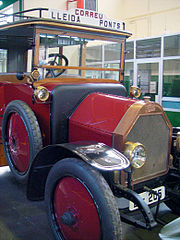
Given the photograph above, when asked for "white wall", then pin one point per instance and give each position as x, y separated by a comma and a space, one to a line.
145, 18
58, 4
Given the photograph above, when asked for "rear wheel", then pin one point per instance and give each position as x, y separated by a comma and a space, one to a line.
21, 138
80, 203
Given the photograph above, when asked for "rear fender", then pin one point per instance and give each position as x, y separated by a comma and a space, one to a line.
98, 155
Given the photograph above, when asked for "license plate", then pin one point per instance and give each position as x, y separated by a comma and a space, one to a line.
149, 198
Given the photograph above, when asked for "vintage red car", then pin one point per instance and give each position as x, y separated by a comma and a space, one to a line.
95, 155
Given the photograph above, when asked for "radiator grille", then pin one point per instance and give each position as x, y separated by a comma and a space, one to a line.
153, 132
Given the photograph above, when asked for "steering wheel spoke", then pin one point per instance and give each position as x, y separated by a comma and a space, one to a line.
54, 72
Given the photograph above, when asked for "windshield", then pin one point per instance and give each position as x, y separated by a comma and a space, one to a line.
79, 56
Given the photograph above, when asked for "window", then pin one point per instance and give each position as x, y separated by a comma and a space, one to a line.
3, 60
90, 4
8, 10
94, 53
80, 52
171, 78
172, 46
52, 45
128, 76
112, 52
149, 48
111, 74
94, 74
129, 50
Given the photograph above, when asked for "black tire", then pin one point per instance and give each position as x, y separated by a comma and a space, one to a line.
18, 113
96, 186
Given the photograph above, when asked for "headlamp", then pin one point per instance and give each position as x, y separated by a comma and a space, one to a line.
35, 74
136, 153
134, 92
41, 93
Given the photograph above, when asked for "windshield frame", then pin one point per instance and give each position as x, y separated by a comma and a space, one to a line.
98, 35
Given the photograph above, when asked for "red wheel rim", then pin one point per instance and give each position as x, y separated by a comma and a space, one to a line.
18, 142
72, 196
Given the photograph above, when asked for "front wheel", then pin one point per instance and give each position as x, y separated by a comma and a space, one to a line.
80, 203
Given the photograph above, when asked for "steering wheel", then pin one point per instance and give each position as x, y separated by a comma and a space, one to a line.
52, 72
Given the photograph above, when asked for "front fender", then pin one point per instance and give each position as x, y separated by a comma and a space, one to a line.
98, 155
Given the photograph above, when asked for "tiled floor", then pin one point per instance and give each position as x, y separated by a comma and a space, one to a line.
21, 219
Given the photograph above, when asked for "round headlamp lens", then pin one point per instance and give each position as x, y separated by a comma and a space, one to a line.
136, 153
138, 157
41, 93
35, 74
134, 92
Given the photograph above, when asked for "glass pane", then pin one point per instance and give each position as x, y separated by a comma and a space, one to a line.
94, 74
171, 78
129, 50
72, 54
148, 75
172, 46
7, 19
128, 77
53, 45
94, 53
149, 48
112, 52
29, 60
3, 60
90, 4
111, 74
79, 52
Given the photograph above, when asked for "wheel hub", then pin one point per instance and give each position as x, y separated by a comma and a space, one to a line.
68, 218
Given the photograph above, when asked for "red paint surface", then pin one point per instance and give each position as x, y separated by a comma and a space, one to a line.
24, 92
97, 116
80, 4
71, 195
18, 142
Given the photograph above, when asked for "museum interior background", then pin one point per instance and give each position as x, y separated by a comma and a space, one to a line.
152, 53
